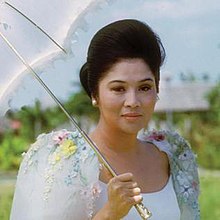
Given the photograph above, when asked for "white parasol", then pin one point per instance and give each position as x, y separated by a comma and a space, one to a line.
58, 20
33, 34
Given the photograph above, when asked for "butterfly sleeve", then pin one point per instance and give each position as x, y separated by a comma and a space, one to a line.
57, 179
185, 176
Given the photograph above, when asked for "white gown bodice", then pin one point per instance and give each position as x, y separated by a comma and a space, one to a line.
163, 204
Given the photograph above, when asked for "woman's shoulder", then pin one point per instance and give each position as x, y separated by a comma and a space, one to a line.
59, 168
183, 168
182, 159
61, 154
171, 142
57, 146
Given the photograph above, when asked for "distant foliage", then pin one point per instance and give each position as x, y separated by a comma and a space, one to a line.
204, 130
29, 122
201, 129
214, 100
79, 105
208, 132
11, 149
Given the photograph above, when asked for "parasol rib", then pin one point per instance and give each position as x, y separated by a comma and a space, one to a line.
10, 5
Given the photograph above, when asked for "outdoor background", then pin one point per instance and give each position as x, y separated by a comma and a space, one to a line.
200, 127
189, 95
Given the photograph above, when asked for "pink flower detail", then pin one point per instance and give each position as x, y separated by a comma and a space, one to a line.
156, 136
60, 136
96, 190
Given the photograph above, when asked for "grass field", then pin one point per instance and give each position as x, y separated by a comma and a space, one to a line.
209, 198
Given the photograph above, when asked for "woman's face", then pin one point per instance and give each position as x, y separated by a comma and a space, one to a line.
127, 96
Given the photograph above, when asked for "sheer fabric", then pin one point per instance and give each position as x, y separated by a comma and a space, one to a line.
59, 179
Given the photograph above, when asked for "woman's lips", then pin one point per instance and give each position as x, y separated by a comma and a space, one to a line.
131, 116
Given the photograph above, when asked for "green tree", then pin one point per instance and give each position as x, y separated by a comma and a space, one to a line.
79, 105
205, 129
214, 100
33, 121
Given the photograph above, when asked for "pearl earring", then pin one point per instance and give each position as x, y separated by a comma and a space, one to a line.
94, 102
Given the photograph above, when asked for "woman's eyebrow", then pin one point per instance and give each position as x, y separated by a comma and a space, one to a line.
121, 81
117, 81
147, 79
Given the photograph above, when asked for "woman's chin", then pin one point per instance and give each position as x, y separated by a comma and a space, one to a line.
132, 129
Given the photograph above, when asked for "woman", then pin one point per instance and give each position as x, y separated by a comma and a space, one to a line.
61, 177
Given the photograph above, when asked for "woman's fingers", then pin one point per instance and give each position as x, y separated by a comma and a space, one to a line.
135, 199
135, 191
125, 180
125, 177
125, 186
123, 193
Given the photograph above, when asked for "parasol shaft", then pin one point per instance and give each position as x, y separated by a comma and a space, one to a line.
59, 104
142, 210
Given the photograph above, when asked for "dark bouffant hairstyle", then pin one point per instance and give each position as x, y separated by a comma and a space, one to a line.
121, 39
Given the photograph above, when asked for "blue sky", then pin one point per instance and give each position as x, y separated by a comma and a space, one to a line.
189, 30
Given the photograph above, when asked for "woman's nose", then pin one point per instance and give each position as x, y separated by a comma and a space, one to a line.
131, 99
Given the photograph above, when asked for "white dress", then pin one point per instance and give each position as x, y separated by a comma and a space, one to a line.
59, 180
163, 204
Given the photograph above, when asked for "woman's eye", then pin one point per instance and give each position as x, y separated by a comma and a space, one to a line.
118, 89
145, 88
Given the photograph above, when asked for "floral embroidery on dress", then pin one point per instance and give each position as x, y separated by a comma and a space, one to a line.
90, 194
66, 159
28, 158
186, 189
60, 136
65, 144
156, 136
62, 149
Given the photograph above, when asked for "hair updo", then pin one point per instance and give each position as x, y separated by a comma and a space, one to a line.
121, 39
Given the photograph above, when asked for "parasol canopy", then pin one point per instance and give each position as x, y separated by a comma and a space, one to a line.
41, 32
35, 33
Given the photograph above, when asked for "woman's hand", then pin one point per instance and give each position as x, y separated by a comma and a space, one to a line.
123, 193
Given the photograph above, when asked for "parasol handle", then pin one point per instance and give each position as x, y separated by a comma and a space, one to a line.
142, 210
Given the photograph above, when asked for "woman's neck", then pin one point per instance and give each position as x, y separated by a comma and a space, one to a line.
114, 140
